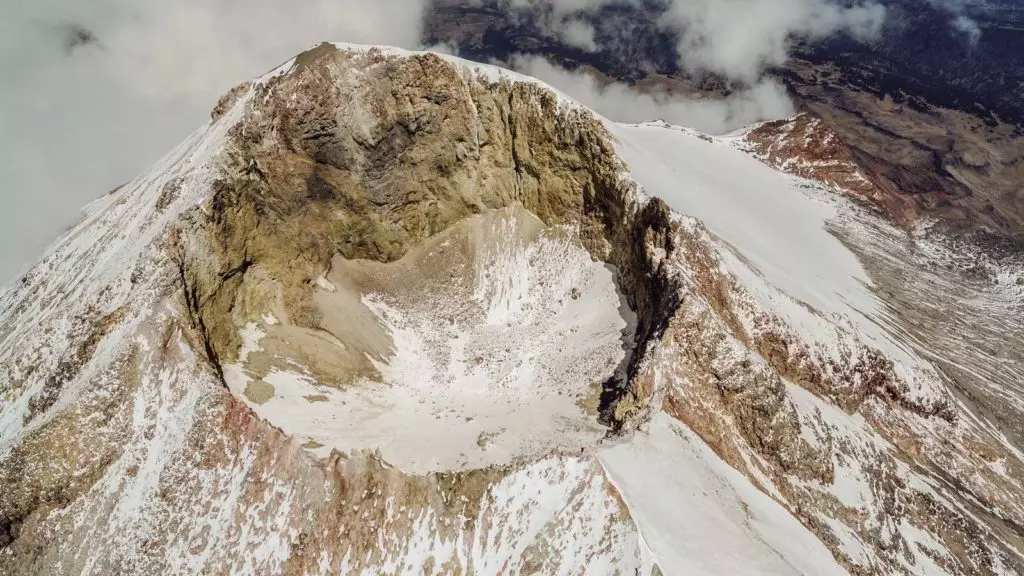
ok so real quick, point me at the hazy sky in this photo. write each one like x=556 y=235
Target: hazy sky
x=93 y=91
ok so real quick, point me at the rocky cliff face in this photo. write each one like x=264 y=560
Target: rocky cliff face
x=396 y=313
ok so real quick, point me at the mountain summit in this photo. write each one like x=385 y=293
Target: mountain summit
x=395 y=312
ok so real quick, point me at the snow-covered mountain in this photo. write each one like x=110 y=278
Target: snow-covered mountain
x=396 y=312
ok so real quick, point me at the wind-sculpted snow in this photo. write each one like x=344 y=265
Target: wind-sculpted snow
x=392 y=313
x=687 y=501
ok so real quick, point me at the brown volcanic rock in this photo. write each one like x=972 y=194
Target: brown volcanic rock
x=951 y=164
x=806 y=146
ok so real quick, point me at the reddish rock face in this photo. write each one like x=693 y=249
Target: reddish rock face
x=805 y=146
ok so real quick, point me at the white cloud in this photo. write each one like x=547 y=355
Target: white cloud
x=94 y=90
x=737 y=39
x=740 y=38
x=578 y=33
x=622 y=103
x=78 y=119
x=968 y=27
x=734 y=38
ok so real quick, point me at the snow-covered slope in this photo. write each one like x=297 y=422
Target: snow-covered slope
x=393 y=312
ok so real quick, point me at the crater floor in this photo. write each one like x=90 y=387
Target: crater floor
x=487 y=343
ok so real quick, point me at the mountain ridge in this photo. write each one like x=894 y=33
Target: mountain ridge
x=788 y=398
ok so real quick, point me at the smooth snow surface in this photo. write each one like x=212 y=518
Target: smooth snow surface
x=699 y=516
x=759 y=211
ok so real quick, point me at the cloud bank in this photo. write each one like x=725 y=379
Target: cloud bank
x=623 y=103
x=735 y=38
x=96 y=90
